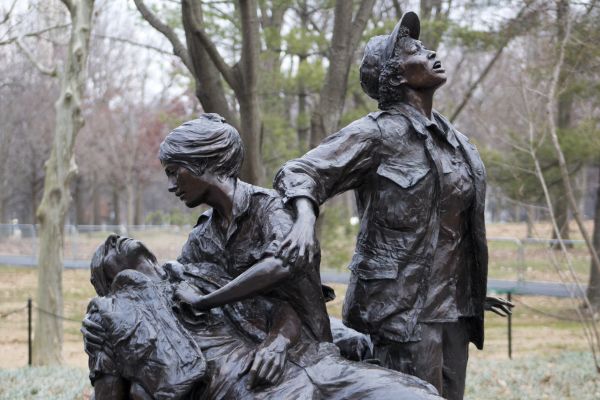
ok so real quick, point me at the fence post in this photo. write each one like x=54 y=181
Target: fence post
x=29 y=331
x=509 y=295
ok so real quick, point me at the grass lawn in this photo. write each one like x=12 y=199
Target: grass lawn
x=551 y=359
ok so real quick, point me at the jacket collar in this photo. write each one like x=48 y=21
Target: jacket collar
x=422 y=124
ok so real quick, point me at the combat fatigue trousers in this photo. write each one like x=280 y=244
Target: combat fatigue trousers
x=440 y=357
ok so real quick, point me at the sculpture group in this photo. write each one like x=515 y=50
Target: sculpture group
x=241 y=314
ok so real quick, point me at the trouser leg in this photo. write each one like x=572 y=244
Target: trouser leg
x=423 y=359
x=455 y=339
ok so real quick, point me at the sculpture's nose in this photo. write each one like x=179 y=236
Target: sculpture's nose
x=112 y=239
x=172 y=185
x=432 y=54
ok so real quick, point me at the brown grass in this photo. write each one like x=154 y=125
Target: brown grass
x=533 y=333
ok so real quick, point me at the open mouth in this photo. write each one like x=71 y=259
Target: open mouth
x=437 y=65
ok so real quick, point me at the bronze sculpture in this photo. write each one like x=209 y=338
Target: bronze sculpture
x=225 y=321
x=149 y=351
x=419 y=272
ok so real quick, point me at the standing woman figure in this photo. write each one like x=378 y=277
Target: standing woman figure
x=419 y=271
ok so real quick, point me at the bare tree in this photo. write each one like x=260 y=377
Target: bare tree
x=60 y=170
x=347 y=32
x=554 y=104
x=208 y=67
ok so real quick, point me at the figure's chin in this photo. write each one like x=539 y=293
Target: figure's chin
x=190 y=204
x=441 y=78
x=193 y=203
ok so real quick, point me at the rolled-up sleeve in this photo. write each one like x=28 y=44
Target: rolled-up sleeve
x=338 y=164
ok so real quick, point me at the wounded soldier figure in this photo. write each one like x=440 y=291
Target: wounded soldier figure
x=142 y=344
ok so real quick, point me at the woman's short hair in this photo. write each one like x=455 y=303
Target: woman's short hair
x=391 y=92
x=205 y=144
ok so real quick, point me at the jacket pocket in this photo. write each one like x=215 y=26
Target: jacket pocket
x=368 y=268
x=404 y=175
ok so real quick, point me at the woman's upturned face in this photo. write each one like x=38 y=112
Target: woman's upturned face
x=188 y=187
x=422 y=70
x=121 y=253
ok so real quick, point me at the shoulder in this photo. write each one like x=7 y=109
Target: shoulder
x=203 y=218
x=269 y=211
x=391 y=122
x=129 y=279
x=201 y=224
x=269 y=205
x=361 y=129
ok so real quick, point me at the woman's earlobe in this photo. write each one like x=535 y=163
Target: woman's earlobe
x=397 y=81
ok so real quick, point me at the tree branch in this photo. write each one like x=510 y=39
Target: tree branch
x=50 y=71
x=360 y=20
x=562 y=163
x=225 y=70
x=178 y=48
x=134 y=43
x=36 y=33
x=9 y=12
x=512 y=30
x=397 y=8
x=68 y=4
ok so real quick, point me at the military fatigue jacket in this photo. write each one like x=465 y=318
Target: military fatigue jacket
x=260 y=222
x=389 y=159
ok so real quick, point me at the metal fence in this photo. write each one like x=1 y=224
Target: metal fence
x=521 y=266
x=19 y=243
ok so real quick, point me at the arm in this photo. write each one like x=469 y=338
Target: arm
x=268 y=363
x=340 y=163
x=301 y=237
x=262 y=276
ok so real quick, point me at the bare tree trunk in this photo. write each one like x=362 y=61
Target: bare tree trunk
x=130 y=191
x=79 y=207
x=137 y=216
x=95 y=200
x=561 y=211
x=209 y=87
x=593 y=290
x=302 y=122
x=116 y=203
x=247 y=93
x=346 y=36
x=530 y=220
x=60 y=169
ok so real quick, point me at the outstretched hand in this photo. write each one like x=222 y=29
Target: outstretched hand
x=299 y=246
x=185 y=294
x=498 y=306
x=266 y=365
